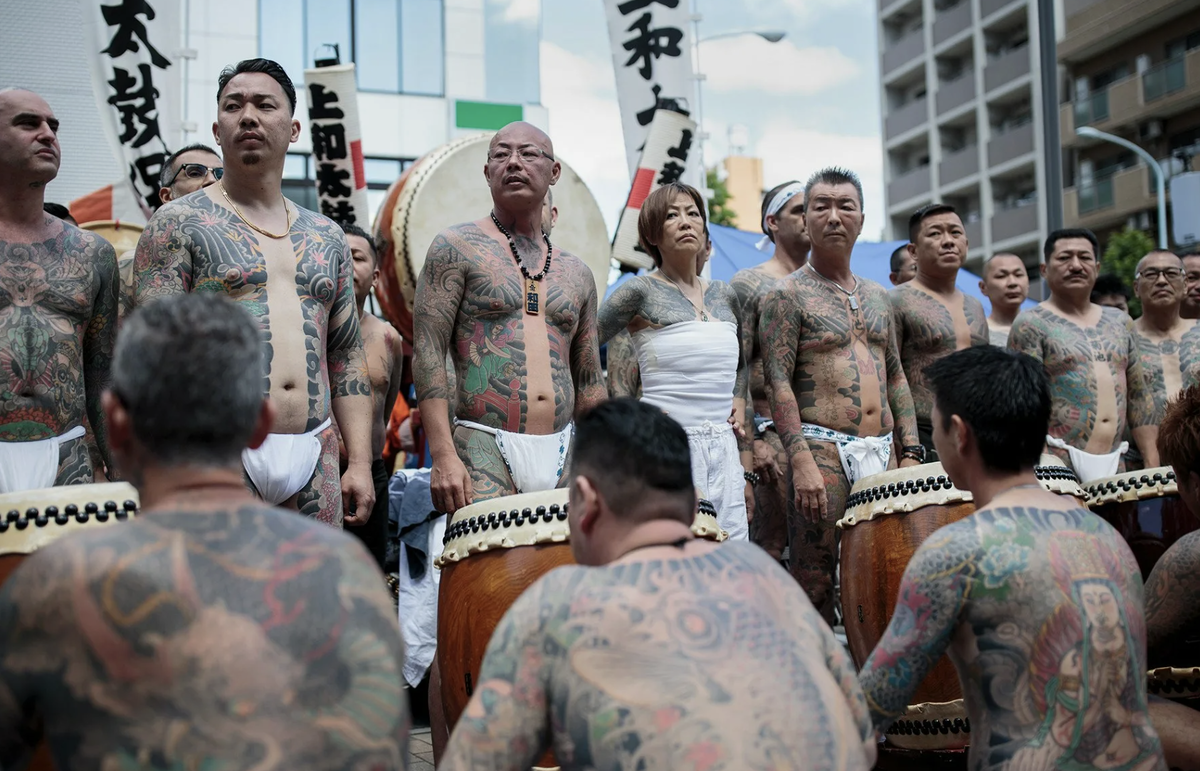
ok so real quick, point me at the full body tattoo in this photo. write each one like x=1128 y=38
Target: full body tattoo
x=300 y=290
x=711 y=662
x=831 y=365
x=623 y=376
x=1041 y=611
x=238 y=639
x=1097 y=379
x=1173 y=606
x=1169 y=362
x=470 y=301
x=58 y=324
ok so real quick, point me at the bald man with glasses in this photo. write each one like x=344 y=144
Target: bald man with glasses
x=1169 y=346
x=189 y=169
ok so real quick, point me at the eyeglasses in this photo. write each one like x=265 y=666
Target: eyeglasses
x=528 y=154
x=1152 y=274
x=197 y=171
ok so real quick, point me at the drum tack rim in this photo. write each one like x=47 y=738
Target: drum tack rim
x=1133 y=486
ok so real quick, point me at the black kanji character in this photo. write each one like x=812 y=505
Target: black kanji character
x=320 y=101
x=652 y=44
x=146 y=170
x=125 y=18
x=680 y=151
x=339 y=211
x=671 y=172
x=331 y=181
x=629 y=7
x=645 y=116
x=329 y=142
x=138 y=105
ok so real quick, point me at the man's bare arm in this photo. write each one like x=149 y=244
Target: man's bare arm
x=397 y=346
x=99 y=338
x=1143 y=422
x=162 y=263
x=439 y=295
x=505 y=724
x=586 y=371
x=1025 y=338
x=624 y=379
x=932 y=593
x=1173 y=599
x=349 y=378
x=620 y=309
x=779 y=332
x=899 y=395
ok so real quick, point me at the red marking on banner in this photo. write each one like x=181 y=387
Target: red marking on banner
x=642 y=181
x=360 y=174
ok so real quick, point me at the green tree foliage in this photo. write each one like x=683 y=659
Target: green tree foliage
x=1121 y=256
x=718 y=206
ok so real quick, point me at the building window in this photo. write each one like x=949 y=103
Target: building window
x=398 y=45
x=511 y=58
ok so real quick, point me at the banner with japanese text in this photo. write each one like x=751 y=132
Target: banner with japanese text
x=652 y=57
x=134 y=62
x=337 y=144
x=663 y=160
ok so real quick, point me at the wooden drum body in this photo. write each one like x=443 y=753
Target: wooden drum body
x=494 y=551
x=888 y=516
x=1145 y=508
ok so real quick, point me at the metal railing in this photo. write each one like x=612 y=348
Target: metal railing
x=1092 y=109
x=1096 y=196
x=1162 y=79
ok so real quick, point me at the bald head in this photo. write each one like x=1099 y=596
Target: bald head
x=520 y=169
x=29 y=149
x=519 y=133
x=996 y=261
x=1159 y=256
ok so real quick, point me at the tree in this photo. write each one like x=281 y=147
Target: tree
x=1121 y=256
x=718 y=206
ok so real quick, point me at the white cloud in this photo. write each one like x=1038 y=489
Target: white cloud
x=585 y=124
x=749 y=63
x=804 y=9
x=520 y=11
x=794 y=153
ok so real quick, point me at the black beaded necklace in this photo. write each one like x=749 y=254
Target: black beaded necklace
x=532 y=294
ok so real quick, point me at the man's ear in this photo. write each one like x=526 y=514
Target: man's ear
x=266 y=421
x=591 y=503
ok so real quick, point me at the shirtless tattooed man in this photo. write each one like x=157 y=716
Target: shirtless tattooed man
x=933 y=318
x=1005 y=283
x=211 y=631
x=1090 y=352
x=519 y=321
x=292 y=269
x=58 y=315
x=783 y=225
x=837 y=390
x=658 y=650
x=1037 y=601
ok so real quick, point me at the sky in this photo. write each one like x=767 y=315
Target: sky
x=809 y=101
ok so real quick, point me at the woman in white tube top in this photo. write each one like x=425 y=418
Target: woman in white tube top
x=690 y=347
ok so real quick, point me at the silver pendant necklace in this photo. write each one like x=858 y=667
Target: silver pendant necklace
x=701 y=309
x=849 y=292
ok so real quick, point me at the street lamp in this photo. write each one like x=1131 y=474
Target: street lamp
x=769 y=35
x=1159 y=177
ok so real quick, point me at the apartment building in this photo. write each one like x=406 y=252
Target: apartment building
x=1132 y=69
x=961 y=112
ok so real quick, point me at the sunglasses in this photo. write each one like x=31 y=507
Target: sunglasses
x=197 y=171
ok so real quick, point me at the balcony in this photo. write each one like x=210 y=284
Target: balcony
x=1167 y=78
x=903 y=50
x=1006 y=68
x=958 y=165
x=1109 y=201
x=956 y=93
x=950 y=22
x=909 y=185
x=1011 y=223
x=1096 y=27
x=1010 y=145
x=906 y=118
x=974 y=231
x=988 y=7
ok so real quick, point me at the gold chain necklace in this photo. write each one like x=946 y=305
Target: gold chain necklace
x=252 y=226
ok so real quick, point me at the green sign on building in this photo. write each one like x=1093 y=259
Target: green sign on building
x=487 y=116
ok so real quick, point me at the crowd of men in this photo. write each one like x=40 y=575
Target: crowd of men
x=222 y=630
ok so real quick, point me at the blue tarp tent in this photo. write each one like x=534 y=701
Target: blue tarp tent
x=733 y=250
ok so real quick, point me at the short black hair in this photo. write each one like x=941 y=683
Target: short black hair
x=266 y=66
x=924 y=213
x=835 y=175
x=354 y=230
x=628 y=448
x=1110 y=283
x=766 y=201
x=1002 y=395
x=168 y=169
x=897 y=256
x=1063 y=233
x=58 y=210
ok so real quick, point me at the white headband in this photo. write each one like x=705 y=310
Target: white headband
x=776 y=203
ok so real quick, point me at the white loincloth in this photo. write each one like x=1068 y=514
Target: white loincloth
x=32 y=465
x=718 y=475
x=862 y=456
x=535 y=461
x=1089 y=467
x=284 y=463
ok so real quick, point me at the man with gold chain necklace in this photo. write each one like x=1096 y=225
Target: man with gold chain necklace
x=292 y=269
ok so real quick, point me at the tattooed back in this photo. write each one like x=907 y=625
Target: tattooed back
x=250 y=638
x=1041 y=607
x=711 y=661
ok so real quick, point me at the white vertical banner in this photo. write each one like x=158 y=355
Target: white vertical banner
x=337 y=144
x=133 y=54
x=652 y=56
x=663 y=160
